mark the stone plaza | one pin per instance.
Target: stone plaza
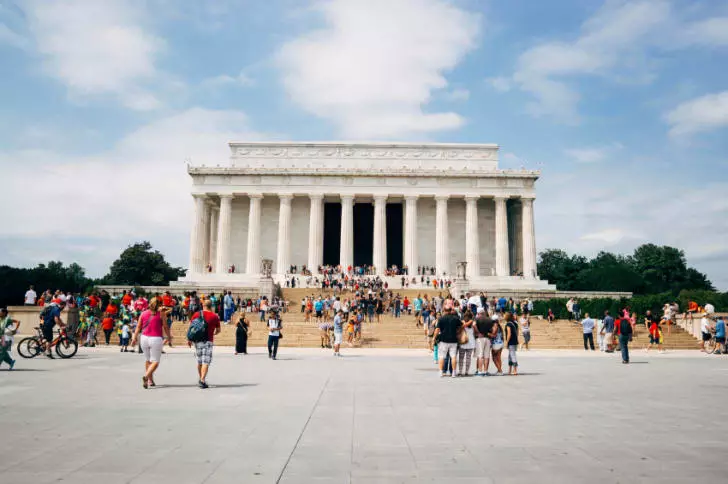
(363, 204)
(372, 416)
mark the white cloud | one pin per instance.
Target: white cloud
(701, 114)
(242, 80)
(137, 190)
(457, 95)
(500, 84)
(12, 38)
(607, 236)
(592, 154)
(711, 32)
(373, 65)
(618, 32)
(97, 48)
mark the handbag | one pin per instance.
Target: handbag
(462, 336)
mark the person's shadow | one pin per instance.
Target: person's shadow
(210, 387)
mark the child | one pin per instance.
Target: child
(91, 332)
(125, 336)
(350, 332)
(655, 336)
(551, 316)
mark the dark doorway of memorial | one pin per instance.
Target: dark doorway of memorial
(395, 235)
(363, 233)
(332, 233)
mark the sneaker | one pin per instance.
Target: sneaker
(486, 374)
(500, 373)
(477, 373)
(454, 375)
(12, 364)
(203, 385)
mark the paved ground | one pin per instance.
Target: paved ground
(373, 416)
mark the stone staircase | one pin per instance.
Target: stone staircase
(564, 334)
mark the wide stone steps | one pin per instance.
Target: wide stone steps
(402, 333)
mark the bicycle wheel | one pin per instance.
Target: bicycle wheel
(710, 346)
(29, 347)
(66, 347)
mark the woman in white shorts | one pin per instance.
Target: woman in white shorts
(152, 328)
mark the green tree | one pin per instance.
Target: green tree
(557, 267)
(139, 264)
(664, 269)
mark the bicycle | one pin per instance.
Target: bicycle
(32, 346)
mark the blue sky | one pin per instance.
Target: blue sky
(622, 105)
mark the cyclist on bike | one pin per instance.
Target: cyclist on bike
(50, 316)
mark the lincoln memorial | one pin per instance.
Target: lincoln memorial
(354, 204)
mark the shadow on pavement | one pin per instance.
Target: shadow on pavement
(211, 387)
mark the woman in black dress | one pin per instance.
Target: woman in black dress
(241, 336)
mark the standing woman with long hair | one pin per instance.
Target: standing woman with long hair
(152, 326)
(497, 345)
(241, 335)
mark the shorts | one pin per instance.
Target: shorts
(707, 336)
(609, 337)
(446, 348)
(482, 348)
(47, 332)
(417, 313)
(152, 347)
(496, 346)
(654, 340)
(124, 341)
(203, 351)
(319, 313)
(338, 336)
(526, 337)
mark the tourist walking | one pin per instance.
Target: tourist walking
(483, 328)
(151, 327)
(274, 334)
(497, 344)
(241, 335)
(512, 340)
(339, 331)
(465, 350)
(228, 306)
(203, 349)
(525, 324)
(588, 327)
(107, 324)
(8, 328)
(447, 329)
(624, 330)
(608, 328)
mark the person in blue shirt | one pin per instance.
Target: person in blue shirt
(720, 335)
(501, 304)
(318, 306)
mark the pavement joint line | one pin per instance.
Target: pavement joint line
(303, 430)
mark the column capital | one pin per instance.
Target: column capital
(380, 198)
(500, 198)
(412, 197)
(529, 199)
(472, 198)
(226, 196)
(199, 196)
(442, 198)
(316, 196)
(285, 196)
(347, 198)
(257, 196)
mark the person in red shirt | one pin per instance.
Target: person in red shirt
(126, 299)
(107, 324)
(203, 349)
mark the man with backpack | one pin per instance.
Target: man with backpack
(624, 330)
(204, 325)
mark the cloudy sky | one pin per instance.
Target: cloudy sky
(622, 104)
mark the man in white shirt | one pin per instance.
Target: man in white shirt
(30, 297)
(588, 325)
(705, 328)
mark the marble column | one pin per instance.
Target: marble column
(197, 236)
(502, 266)
(346, 251)
(224, 227)
(214, 218)
(380, 234)
(207, 215)
(472, 237)
(316, 233)
(252, 265)
(410, 234)
(529, 239)
(283, 256)
(442, 238)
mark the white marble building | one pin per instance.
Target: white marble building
(364, 203)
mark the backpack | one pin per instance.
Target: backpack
(197, 332)
(625, 328)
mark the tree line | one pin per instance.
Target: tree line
(138, 265)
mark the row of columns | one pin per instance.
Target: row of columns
(211, 234)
